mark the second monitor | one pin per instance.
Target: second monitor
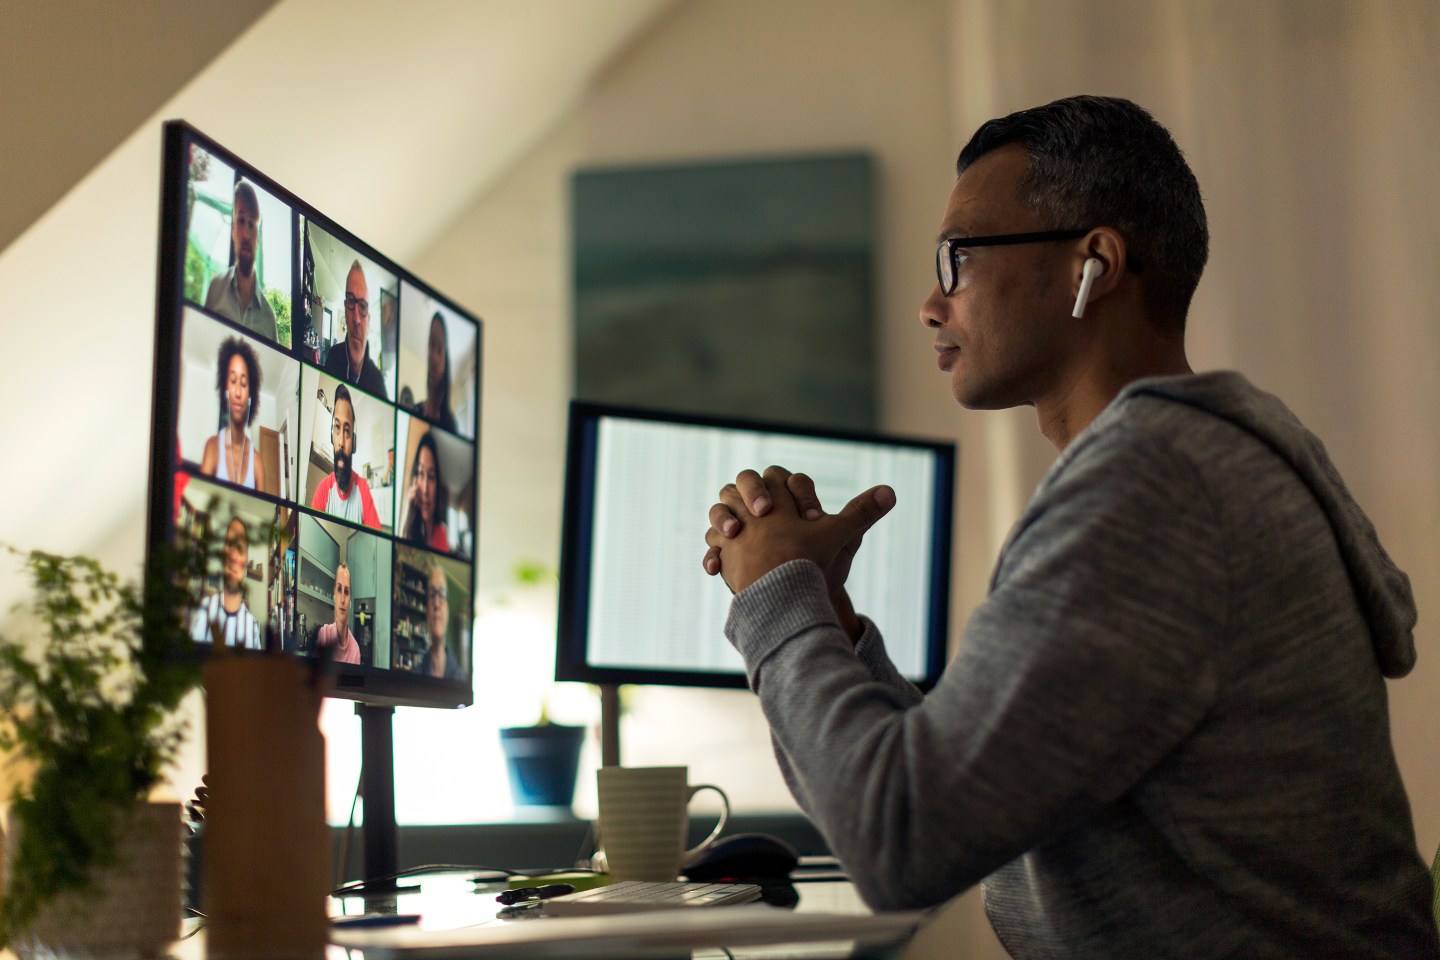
(635, 605)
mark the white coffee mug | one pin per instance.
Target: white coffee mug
(644, 813)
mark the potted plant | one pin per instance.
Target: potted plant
(91, 725)
(542, 758)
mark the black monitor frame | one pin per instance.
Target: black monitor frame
(377, 690)
(367, 684)
(572, 660)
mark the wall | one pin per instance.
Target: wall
(708, 80)
(1312, 125)
(711, 79)
(78, 77)
(1309, 125)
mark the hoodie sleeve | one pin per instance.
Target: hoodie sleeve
(1093, 656)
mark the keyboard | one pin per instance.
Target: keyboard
(638, 896)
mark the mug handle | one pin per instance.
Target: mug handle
(724, 818)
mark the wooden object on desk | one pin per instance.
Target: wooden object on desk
(267, 854)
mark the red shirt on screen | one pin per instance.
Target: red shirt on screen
(357, 506)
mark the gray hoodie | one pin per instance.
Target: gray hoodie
(1166, 732)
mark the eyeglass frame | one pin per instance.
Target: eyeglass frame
(359, 304)
(945, 252)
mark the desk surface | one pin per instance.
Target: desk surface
(450, 901)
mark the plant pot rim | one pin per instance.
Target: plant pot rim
(541, 729)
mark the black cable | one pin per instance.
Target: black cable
(342, 861)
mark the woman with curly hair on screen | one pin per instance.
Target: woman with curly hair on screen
(230, 455)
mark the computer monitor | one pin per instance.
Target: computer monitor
(635, 605)
(316, 405)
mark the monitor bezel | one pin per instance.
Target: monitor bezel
(571, 662)
(372, 685)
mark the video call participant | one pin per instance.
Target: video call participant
(229, 454)
(427, 499)
(337, 634)
(345, 493)
(438, 661)
(349, 360)
(236, 294)
(225, 610)
(436, 405)
(1166, 733)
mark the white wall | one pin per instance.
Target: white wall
(708, 80)
(1310, 126)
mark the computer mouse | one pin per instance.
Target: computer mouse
(743, 856)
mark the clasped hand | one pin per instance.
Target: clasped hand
(763, 521)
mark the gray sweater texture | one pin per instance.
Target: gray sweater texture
(1166, 732)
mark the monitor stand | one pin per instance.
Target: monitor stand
(377, 787)
(609, 725)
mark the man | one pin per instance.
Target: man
(1166, 732)
(438, 660)
(223, 617)
(337, 634)
(350, 359)
(236, 294)
(344, 493)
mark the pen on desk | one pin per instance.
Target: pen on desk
(376, 920)
(535, 893)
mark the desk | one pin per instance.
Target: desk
(449, 901)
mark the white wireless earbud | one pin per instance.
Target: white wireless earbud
(1088, 273)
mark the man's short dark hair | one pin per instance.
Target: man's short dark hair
(1106, 162)
(244, 190)
(341, 394)
(229, 350)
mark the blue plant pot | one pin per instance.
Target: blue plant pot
(543, 762)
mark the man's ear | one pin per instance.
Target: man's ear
(1104, 251)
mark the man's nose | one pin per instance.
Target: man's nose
(931, 309)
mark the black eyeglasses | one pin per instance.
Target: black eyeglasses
(947, 257)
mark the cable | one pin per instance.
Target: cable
(201, 920)
(342, 861)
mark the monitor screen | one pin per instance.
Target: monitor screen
(316, 415)
(635, 605)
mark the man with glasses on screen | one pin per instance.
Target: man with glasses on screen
(349, 360)
(236, 294)
(439, 660)
(1166, 731)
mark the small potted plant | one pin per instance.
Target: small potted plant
(542, 758)
(90, 726)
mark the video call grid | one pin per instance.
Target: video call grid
(301, 355)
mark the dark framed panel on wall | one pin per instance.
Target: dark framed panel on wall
(738, 288)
